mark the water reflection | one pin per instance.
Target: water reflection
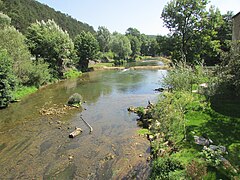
(33, 146)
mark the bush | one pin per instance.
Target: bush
(8, 80)
(33, 74)
(163, 167)
(183, 77)
(228, 72)
(106, 57)
(234, 154)
(72, 73)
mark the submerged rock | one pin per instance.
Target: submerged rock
(75, 99)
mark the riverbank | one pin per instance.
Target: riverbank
(193, 133)
(131, 68)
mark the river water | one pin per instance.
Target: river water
(35, 145)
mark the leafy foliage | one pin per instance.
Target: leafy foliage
(183, 77)
(135, 45)
(198, 34)
(25, 12)
(4, 20)
(13, 42)
(8, 80)
(48, 41)
(72, 74)
(121, 46)
(86, 47)
(228, 72)
(162, 168)
(27, 72)
(103, 38)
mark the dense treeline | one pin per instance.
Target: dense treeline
(25, 12)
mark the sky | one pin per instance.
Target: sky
(119, 15)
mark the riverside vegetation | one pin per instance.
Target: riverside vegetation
(188, 112)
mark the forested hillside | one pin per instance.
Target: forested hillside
(25, 12)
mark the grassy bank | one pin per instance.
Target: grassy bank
(193, 135)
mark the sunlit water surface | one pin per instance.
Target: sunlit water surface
(37, 146)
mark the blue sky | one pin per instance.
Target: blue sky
(118, 15)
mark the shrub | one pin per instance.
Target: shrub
(234, 154)
(183, 77)
(162, 167)
(8, 80)
(72, 73)
(228, 72)
(33, 74)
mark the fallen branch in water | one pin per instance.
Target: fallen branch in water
(76, 132)
(90, 127)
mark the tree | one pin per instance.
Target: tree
(133, 32)
(145, 47)
(13, 42)
(103, 38)
(4, 20)
(48, 41)
(7, 83)
(153, 51)
(225, 31)
(228, 72)
(165, 45)
(134, 37)
(135, 45)
(26, 71)
(121, 46)
(185, 18)
(86, 47)
(208, 42)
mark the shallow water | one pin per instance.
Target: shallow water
(37, 146)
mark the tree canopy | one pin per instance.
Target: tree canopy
(121, 46)
(48, 41)
(104, 38)
(7, 77)
(184, 18)
(25, 12)
(86, 47)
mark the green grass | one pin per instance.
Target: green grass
(220, 122)
(24, 91)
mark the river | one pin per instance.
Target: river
(36, 146)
